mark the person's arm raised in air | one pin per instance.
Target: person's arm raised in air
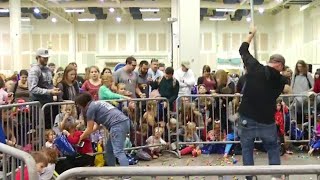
(248, 60)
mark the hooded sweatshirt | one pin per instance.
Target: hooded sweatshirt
(186, 81)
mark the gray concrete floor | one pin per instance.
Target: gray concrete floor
(217, 160)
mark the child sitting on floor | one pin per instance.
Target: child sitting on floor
(41, 162)
(315, 141)
(156, 141)
(84, 148)
(191, 135)
(68, 114)
(52, 155)
(49, 137)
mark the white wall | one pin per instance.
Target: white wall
(297, 35)
(292, 33)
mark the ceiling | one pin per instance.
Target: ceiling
(133, 3)
(100, 8)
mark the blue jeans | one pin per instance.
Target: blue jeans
(266, 132)
(115, 144)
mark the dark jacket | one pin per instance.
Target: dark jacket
(168, 88)
(263, 86)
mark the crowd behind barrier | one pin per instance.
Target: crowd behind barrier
(196, 124)
(199, 120)
(201, 124)
(22, 125)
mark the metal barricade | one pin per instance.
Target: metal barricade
(212, 119)
(149, 116)
(299, 117)
(12, 159)
(22, 125)
(204, 120)
(192, 171)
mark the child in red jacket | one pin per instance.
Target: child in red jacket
(279, 116)
(281, 110)
(84, 148)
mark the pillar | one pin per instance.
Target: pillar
(15, 34)
(186, 33)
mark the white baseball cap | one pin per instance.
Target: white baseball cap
(186, 64)
(42, 52)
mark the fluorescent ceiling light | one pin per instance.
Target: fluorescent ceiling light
(217, 18)
(54, 20)
(149, 10)
(86, 19)
(25, 19)
(111, 10)
(261, 10)
(302, 8)
(36, 10)
(225, 10)
(118, 19)
(151, 19)
(4, 10)
(74, 10)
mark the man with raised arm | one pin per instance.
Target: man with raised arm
(263, 86)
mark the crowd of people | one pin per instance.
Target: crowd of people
(86, 122)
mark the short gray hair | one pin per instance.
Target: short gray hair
(277, 58)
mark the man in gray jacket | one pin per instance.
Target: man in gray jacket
(40, 82)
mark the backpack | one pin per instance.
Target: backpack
(306, 75)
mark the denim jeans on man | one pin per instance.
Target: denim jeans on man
(266, 132)
(115, 144)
